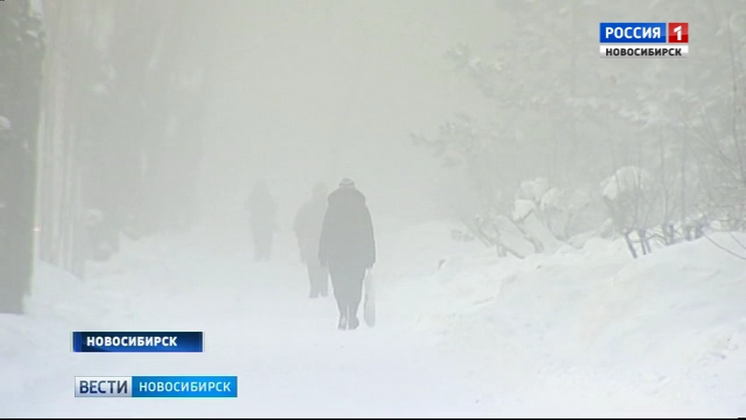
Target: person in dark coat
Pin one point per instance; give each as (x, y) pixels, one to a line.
(307, 227)
(347, 248)
(263, 212)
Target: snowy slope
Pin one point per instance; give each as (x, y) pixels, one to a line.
(461, 332)
(594, 331)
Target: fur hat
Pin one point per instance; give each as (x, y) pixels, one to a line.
(347, 183)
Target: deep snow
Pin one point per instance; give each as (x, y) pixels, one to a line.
(582, 332)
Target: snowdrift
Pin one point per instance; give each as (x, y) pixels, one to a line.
(30, 345)
(581, 332)
(594, 332)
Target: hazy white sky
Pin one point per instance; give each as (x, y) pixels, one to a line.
(326, 89)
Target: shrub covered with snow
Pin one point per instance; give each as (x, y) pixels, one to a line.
(630, 197)
(549, 215)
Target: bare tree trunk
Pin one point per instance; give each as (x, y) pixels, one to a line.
(21, 52)
(60, 214)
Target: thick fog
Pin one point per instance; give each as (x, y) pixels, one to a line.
(373, 208)
(310, 91)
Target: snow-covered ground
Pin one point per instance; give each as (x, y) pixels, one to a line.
(460, 332)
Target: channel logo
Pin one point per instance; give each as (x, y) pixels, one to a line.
(156, 386)
(643, 39)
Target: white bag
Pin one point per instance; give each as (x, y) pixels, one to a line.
(369, 305)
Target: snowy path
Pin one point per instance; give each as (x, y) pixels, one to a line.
(260, 325)
(585, 332)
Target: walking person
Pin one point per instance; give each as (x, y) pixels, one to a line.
(347, 248)
(307, 227)
(263, 212)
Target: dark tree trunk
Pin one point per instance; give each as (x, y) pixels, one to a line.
(21, 50)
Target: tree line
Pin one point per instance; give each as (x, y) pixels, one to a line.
(100, 128)
(650, 150)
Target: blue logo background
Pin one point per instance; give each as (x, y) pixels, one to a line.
(630, 26)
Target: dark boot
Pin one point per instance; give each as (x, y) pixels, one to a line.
(342, 321)
(353, 322)
(314, 293)
(342, 325)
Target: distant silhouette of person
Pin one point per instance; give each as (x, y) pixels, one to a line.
(262, 209)
(347, 247)
(307, 227)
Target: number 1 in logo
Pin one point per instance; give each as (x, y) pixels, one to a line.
(678, 33)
